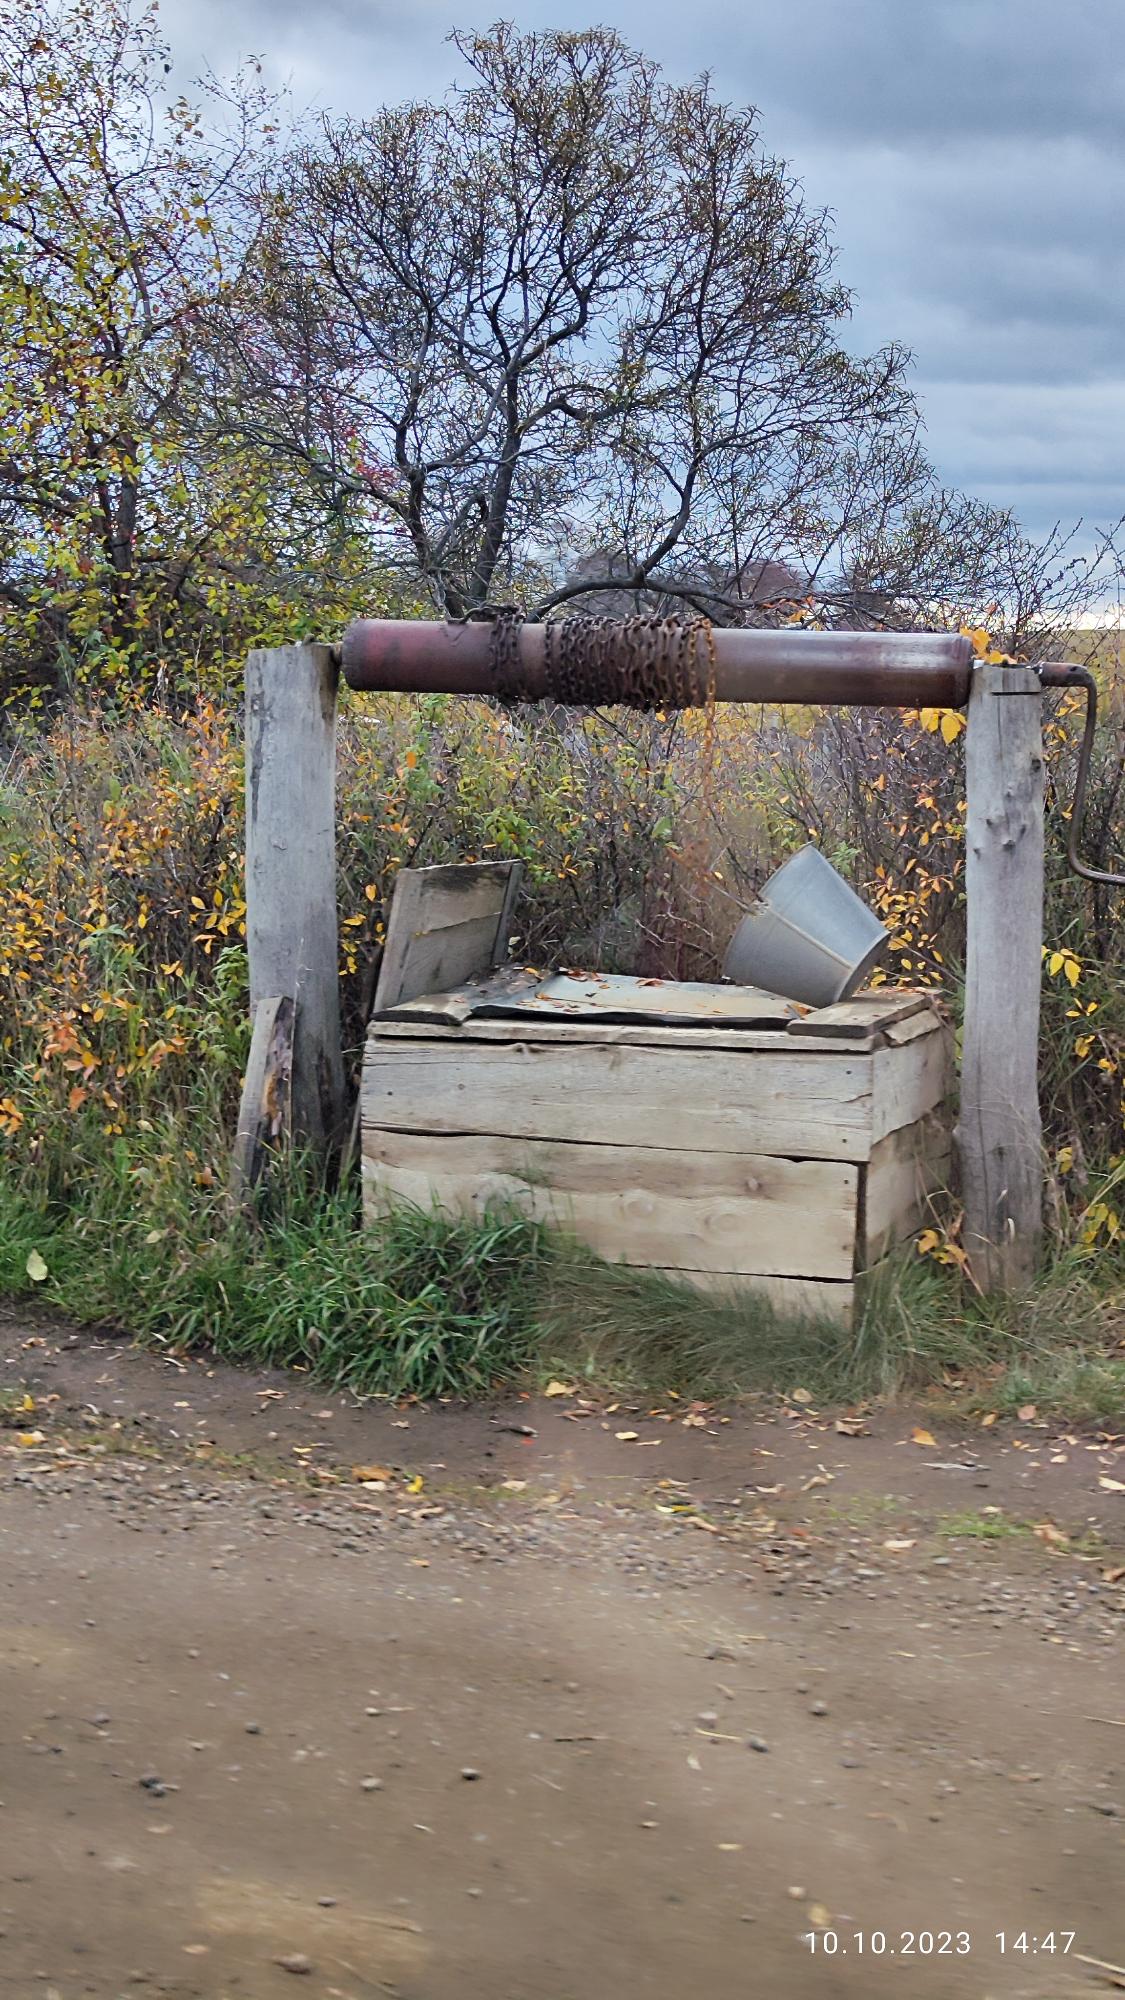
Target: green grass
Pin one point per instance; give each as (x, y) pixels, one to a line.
(431, 1307)
(980, 1527)
(1060, 1346)
(420, 1306)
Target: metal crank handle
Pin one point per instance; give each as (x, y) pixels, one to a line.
(1055, 674)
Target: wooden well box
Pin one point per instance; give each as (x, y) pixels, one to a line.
(716, 1134)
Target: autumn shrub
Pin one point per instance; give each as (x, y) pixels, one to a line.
(123, 988)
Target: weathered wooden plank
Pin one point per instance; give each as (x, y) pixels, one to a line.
(457, 891)
(898, 1033)
(517, 994)
(638, 1205)
(904, 1169)
(291, 935)
(694, 1100)
(265, 1111)
(833, 1300)
(999, 1131)
(437, 960)
(445, 926)
(438, 1022)
(866, 1012)
(909, 1081)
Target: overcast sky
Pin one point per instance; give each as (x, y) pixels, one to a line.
(972, 151)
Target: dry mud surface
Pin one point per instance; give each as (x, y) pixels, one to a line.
(558, 1702)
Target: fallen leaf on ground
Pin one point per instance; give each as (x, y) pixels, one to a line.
(1027, 1414)
(897, 1546)
(1111, 1485)
(800, 1395)
(1046, 1531)
(626, 1437)
(819, 1916)
(559, 1389)
(514, 1485)
(852, 1427)
(987, 1422)
(35, 1267)
(365, 1474)
(415, 1485)
(1113, 1575)
(30, 1437)
(922, 1437)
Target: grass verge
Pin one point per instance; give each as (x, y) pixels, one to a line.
(430, 1307)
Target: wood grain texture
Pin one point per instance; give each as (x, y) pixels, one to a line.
(637, 1205)
(904, 1169)
(445, 926)
(792, 1298)
(439, 1022)
(265, 1111)
(999, 1130)
(910, 1081)
(291, 933)
(694, 1100)
(864, 1013)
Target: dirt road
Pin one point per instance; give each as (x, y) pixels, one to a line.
(559, 1703)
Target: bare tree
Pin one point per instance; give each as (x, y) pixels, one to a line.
(571, 329)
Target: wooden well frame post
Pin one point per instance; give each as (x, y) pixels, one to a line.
(999, 1131)
(291, 694)
(291, 922)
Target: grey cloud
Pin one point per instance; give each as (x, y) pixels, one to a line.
(972, 151)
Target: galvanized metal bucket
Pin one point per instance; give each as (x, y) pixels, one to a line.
(810, 936)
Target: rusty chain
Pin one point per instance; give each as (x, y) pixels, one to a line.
(642, 663)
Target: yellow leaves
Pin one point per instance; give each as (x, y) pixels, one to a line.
(948, 722)
(1099, 1223)
(981, 642)
(36, 1267)
(11, 1117)
(924, 1438)
(1063, 961)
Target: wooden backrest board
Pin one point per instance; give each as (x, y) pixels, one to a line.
(446, 925)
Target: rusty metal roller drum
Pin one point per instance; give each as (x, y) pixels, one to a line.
(656, 663)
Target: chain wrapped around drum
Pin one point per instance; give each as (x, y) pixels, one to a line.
(643, 663)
